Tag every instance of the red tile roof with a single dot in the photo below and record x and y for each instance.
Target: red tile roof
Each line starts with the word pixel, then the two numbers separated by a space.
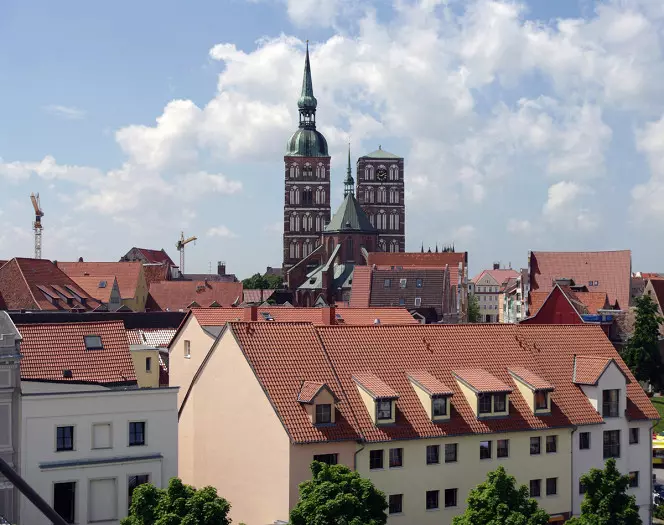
pixel 531 379
pixel 658 288
pixel 154 273
pixel 536 300
pixel 48 349
pixel 180 295
pixel 285 354
pixel 501 275
pixel 611 270
pixel 156 337
pixel 430 384
pixel 128 274
pixel 309 391
pixel 256 296
pixel 481 381
pixel 588 369
pixel 593 301
pixel 29 284
pixel 374 386
pixel 418 259
pixel 92 286
pixel 361 287
pixel 156 256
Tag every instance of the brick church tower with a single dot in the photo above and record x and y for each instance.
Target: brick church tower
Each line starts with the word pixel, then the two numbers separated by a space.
pixel 380 191
pixel 307 180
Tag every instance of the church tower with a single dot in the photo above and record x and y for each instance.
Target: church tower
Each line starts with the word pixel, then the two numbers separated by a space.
pixel 380 191
pixel 307 180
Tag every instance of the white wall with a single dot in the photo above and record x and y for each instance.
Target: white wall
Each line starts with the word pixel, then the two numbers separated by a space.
pixel 42 413
pixel 632 457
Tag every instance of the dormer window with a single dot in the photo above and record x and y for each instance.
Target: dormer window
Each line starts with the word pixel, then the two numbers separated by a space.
pixel 499 402
pixel 541 400
pixel 487 395
pixel 433 394
pixel 319 402
pixel 379 399
pixel 384 410
pixel 484 403
pixel 610 403
pixel 439 406
pixel 535 390
pixel 323 414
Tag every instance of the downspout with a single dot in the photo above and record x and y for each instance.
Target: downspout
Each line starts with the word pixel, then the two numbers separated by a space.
pixel 360 450
pixel 650 502
pixel 571 463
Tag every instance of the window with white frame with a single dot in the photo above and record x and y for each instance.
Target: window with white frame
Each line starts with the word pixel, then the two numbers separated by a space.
pixel 369 173
pixel 294 195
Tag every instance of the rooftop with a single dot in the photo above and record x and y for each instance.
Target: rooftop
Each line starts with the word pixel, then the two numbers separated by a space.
pixel 154 337
pixel 128 274
pixel 481 381
pixel 418 259
pixel 350 217
pixel 380 153
pixel 180 295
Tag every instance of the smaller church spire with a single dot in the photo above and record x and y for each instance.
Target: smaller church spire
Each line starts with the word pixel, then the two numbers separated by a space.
pixel 349 183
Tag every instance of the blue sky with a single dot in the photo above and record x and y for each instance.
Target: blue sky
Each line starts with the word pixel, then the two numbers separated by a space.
pixel 534 125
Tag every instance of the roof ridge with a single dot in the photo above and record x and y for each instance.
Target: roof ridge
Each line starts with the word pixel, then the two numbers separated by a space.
pixel 25 280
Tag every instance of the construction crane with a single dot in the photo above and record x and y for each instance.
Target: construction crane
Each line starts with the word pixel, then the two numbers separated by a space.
pixel 180 246
pixel 37 225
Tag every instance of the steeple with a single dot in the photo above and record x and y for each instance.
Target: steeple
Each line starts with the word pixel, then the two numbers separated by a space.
pixel 307 102
pixel 349 183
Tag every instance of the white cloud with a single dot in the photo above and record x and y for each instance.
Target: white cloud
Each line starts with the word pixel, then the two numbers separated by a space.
pixel 221 231
pixel 519 226
pixel 564 209
pixel 313 12
pixel 648 198
pixel 66 112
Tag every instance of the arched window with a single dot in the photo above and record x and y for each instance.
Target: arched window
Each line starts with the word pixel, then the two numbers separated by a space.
pixel 394 221
pixel 394 246
pixel 382 195
pixel 307 196
pixel 294 195
pixel 306 248
pixel 320 171
pixel 307 222
pixel 381 220
pixel 294 222
pixel 382 247
pixel 320 195
pixel 369 195
pixel 319 223
pixel 394 172
pixel 307 171
pixel 293 171
pixel 294 250
pixel 372 219
pixel 394 196
pixel 369 173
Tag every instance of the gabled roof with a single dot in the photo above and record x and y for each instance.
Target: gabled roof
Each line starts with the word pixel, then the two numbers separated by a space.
pixel 154 273
pixel 530 379
pixel 429 384
pixel 611 270
pixel 380 153
pixel 310 390
pixel 418 259
pixel 500 276
pixel 256 296
pixel 374 386
pixel 99 287
pixel 481 381
pixel 178 295
pixel 589 369
pixel 49 349
pixel 350 217
pixel 128 274
pixel 582 302
pixel 154 337
pixel 156 256
pixel 658 288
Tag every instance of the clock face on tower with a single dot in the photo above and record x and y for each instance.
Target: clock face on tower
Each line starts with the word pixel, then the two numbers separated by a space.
pixel 381 173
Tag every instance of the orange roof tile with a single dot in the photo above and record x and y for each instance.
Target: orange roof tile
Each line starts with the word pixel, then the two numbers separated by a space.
pixel 180 295
pixel 92 286
pixel 128 274
pixel 156 256
pixel 593 301
pixel 430 384
pixel 536 300
pixel 154 273
pixel 374 386
pixel 418 259
pixel 480 380
pixel 49 349
pixel 531 379
pixel 588 369
pixel 500 276
pixel 309 391
pixel 611 270
pixel 156 337
pixel 256 296
pixel 361 287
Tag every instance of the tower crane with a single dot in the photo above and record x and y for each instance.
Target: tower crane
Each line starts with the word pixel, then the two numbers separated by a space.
pixel 180 246
pixel 37 225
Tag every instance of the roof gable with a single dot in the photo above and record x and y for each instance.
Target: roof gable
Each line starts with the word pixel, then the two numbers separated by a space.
pixel 179 295
pixel 588 370
pixel 128 274
pixel 380 153
pixel 350 217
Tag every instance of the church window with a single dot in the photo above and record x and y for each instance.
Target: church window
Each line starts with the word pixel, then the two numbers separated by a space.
pixel 382 246
pixel 320 171
pixel 307 171
pixel 294 195
pixel 369 195
pixel 320 195
pixel 394 221
pixel 293 171
pixel 307 196
pixel 394 172
pixel 381 220
pixel 372 219
pixel 382 195
pixel 319 223
pixel 349 249
pixel 394 196
pixel 368 173
pixel 307 222
pixel 330 246
pixel 306 248
pixel 294 250
pixel 394 246
pixel 294 222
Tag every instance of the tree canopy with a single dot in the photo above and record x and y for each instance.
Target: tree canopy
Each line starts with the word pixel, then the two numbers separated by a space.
pixel 473 309
pixel 499 501
pixel 179 504
pixel 642 352
pixel 338 495
pixel 606 501
pixel 263 282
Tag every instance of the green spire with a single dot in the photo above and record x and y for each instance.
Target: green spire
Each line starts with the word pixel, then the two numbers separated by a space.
pixel 307 101
pixel 349 183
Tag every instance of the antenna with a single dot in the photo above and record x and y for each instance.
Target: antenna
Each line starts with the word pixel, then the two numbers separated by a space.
pixel 180 246
pixel 37 225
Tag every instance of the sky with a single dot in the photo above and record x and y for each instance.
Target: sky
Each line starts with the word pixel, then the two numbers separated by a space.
pixel 534 125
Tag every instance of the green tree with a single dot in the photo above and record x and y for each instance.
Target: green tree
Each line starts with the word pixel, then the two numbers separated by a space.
pixel 642 352
pixel 179 504
pixel 499 501
pixel 263 282
pixel 606 501
pixel 337 495
pixel 473 309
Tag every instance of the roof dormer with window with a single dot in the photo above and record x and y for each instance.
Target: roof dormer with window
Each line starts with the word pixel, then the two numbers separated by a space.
pixel 319 402
pixel 378 397
pixel 433 394
pixel 603 382
pixel 535 390
pixel 487 395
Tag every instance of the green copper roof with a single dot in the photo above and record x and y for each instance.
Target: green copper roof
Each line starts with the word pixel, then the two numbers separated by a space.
pixel 348 182
pixel 350 217
pixel 307 99
pixel 380 153
pixel 306 142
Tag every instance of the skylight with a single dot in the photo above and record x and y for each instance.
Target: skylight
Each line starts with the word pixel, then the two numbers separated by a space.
pixel 93 342
pixel 102 284
pixel 267 316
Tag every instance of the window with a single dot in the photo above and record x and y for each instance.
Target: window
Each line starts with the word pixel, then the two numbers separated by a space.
pixel 439 406
pixel 102 493
pixel 418 283
pixel 551 486
pixel 418 301
pixel 403 282
pixel 101 435
pixel 433 454
pixel 396 457
pixel 503 448
pixel 633 436
pixel 634 479
pixel 387 283
pixel 136 433
pixel 500 402
pixel 93 342
pixel 383 409
pixel 64 438
pixel 485 404
pixel 64 500
pixel 535 488
pixel 148 364
pixel 330 459
pixel 551 444
pixel 535 445
pixel 323 414
pixel 611 444
pixel 432 499
pixel 485 449
pixel 396 503
pixel 135 481
pixel 584 440
pixel 582 488
pixel 402 301
pixel 187 348
pixel 450 498
pixel 541 400
pixel 610 403
pixel 376 459
pixel 451 450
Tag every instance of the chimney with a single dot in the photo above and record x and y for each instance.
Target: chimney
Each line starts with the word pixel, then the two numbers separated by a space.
pixel 80 259
pixel 251 313
pixel 221 268
pixel 496 266
pixel 329 315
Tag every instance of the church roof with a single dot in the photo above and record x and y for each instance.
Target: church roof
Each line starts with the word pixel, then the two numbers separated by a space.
pixel 350 217
pixel 307 99
pixel 307 142
pixel 380 153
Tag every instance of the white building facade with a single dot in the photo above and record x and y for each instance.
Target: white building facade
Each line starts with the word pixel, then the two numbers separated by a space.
pixel 84 448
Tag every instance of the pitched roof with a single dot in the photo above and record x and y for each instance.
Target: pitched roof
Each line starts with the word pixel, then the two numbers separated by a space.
pixel 39 284
pixel 387 290
pixel 611 270
pixel 501 275
pixel 350 217
pixel 430 384
pixel 380 153
pixel 360 295
pixel 285 354
pixel 99 287
pixel 154 273
pixel 309 391
pixel 155 337
pixel 256 296
pixel 588 369
pixel 658 288
pixel 374 386
pixel 582 302
pixel 156 256
pixel 418 259
pixel 531 379
pixel 128 274
pixel 49 349
pixel 480 380
pixel 179 295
